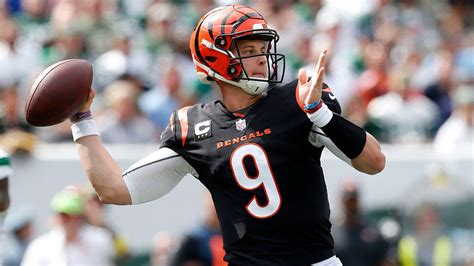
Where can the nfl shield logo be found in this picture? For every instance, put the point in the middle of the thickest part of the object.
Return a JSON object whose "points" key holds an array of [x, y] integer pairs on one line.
{"points": [[240, 124]]}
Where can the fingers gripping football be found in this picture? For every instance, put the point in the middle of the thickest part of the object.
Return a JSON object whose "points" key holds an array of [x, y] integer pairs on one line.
{"points": [[87, 104]]}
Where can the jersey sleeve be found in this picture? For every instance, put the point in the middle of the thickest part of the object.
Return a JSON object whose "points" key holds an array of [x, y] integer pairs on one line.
{"points": [[175, 134], [168, 136]]}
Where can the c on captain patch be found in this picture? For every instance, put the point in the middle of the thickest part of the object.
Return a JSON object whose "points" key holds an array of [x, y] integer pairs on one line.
{"points": [[202, 130]]}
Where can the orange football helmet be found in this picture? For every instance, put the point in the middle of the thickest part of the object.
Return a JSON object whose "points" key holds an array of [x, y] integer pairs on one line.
{"points": [[214, 37]]}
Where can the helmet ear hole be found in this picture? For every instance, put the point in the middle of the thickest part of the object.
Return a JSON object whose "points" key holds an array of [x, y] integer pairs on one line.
{"points": [[220, 42], [233, 72]]}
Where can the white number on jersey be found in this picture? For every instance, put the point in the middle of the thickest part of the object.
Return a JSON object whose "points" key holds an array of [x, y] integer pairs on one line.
{"points": [[264, 179]]}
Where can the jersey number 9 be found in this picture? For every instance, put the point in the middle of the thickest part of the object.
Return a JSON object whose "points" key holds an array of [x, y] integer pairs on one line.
{"points": [[263, 178]]}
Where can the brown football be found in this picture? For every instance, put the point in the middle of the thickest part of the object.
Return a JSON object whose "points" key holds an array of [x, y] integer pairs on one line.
{"points": [[58, 92]]}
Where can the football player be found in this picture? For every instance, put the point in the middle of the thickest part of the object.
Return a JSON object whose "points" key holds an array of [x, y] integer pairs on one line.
{"points": [[257, 149]]}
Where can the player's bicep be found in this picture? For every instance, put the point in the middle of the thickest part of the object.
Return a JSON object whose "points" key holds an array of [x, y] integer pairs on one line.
{"points": [[318, 139], [156, 175]]}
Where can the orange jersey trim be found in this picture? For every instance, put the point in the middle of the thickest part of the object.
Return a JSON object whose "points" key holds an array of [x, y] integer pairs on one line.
{"points": [[172, 122], [239, 115], [183, 122]]}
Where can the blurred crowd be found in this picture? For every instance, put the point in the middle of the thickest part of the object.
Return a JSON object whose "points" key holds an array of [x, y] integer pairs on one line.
{"points": [[402, 69], [80, 233]]}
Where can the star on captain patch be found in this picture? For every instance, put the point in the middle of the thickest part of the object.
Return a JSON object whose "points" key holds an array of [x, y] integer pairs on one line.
{"points": [[240, 124]]}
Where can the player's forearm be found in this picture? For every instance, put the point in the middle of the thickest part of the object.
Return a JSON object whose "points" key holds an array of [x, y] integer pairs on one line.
{"points": [[103, 172], [360, 147], [371, 160]]}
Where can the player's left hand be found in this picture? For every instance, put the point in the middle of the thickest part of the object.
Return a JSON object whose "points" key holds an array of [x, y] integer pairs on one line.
{"points": [[311, 91]]}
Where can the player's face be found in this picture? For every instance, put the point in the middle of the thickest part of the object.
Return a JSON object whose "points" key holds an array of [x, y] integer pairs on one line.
{"points": [[256, 64]]}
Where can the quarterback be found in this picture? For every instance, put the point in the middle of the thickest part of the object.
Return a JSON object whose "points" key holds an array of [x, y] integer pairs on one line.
{"points": [[257, 149]]}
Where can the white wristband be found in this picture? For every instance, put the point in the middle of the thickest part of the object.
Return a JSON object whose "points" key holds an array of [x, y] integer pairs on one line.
{"points": [[84, 128], [321, 117]]}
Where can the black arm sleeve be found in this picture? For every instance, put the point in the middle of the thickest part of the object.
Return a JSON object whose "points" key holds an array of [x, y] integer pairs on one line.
{"points": [[349, 138]]}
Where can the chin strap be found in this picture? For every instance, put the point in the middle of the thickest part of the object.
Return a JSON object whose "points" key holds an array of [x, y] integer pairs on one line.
{"points": [[252, 87]]}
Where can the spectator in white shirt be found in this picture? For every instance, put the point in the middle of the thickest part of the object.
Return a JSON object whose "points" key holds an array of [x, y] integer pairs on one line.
{"points": [[71, 241], [458, 130]]}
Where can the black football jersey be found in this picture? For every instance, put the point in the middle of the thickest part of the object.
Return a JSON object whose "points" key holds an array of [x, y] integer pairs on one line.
{"points": [[264, 175]]}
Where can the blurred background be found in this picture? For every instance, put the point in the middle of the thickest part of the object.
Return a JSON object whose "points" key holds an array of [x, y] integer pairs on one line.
{"points": [[402, 69]]}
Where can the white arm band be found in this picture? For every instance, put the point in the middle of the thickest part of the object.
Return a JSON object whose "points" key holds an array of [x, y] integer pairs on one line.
{"points": [[319, 139], [84, 128], [156, 175], [321, 117]]}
